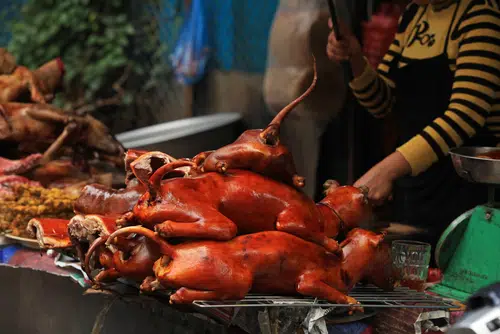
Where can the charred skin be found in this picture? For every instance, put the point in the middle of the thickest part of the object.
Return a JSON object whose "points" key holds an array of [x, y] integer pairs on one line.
{"points": [[259, 151], [265, 262]]}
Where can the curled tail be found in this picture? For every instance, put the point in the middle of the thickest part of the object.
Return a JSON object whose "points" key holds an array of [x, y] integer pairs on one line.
{"points": [[86, 265], [272, 130], [165, 247], [155, 179]]}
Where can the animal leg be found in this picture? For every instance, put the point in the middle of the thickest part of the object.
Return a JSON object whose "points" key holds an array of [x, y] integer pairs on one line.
{"points": [[48, 116], [57, 144], [187, 296], [107, 275], [150, 284], [289, 221], [216, 227], [310, 285]]}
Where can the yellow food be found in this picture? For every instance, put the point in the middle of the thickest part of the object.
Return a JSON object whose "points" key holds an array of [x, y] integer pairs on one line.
{"points": [[33, 202]]}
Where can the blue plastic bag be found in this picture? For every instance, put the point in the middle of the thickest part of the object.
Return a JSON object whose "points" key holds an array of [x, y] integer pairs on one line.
{"points": [[191, 53]]}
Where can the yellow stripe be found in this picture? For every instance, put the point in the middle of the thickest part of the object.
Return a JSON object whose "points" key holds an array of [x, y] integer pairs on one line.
{"points": [[449, 130], [474, 115], [383, 68], [466, 127], [473, 99], [369, 92], [437, 138], [479, 46], [475, 73], [474, 86]]}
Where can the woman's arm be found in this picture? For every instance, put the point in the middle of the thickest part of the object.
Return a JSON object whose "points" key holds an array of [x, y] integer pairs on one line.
{"points": [[475, 88]]}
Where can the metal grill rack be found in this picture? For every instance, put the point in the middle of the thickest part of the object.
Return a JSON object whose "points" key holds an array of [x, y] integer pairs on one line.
{"points": [[368, 296]]}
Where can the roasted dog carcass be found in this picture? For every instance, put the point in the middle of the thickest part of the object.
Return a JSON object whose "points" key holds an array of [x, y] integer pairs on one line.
{"points": [[218, 206], [38, 86], [265, 262], [40, 128], [258, 150], [132, 258]]}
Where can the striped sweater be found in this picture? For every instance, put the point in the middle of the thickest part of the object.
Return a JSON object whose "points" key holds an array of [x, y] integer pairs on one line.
{"points": [[474, 58]]}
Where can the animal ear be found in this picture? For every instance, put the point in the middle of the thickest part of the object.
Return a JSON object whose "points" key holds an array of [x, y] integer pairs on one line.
{"points": [[145, 165], [376, 240], [330, 185], [345, 242]]}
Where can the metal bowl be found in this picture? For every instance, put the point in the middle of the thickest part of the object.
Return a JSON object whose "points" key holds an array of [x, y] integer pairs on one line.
{"points": [[473, 169]]}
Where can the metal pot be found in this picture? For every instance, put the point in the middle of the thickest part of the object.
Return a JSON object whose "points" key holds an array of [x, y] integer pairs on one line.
{"points": [[474, 169], [186, 137]]}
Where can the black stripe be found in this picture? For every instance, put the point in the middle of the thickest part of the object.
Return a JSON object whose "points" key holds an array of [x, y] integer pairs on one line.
{"points": [[482, 11], [467, 119], [454, 125], [479, 67], [384, 98], [479, 53], [367, 88], [467, 10], [396, 42], [480, 39], [392, 53], [406, 59], [479, 25], [387, 63], [493, 123], [472, 106], [476, 80], [445, 135], [370, 97], [472, 92], [433, 144]]}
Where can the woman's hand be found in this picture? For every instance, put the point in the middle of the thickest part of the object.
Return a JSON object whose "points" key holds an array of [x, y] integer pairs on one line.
{"points": [[379, 179], [348, 48]]}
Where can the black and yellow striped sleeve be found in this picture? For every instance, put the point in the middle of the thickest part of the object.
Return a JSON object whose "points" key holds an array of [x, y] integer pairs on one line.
{"points": [[476, 83], [374, 88]]}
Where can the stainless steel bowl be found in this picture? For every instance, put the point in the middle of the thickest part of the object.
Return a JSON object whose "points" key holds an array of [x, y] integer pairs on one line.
{"points": [[473, 169]]}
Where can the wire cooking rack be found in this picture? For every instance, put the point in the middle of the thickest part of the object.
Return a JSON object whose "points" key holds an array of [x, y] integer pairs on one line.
{"points": [[368, 296]]}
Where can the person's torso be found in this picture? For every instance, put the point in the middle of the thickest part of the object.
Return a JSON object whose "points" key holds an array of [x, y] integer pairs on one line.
{"points": [[433, 33]]}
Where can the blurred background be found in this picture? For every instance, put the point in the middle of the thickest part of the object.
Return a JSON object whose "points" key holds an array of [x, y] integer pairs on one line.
{"points": [[134, 64]]}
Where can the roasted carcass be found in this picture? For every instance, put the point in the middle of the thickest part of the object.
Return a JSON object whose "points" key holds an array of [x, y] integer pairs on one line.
{"points": [[41, 128], [265, 262], [219, 206], [38, 86], [258, 150]]}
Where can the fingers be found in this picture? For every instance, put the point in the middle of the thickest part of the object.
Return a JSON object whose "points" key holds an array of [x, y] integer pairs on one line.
{"points": [[337, 50], [330, 23]]}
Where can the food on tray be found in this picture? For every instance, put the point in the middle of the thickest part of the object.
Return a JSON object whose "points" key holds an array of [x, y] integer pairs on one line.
{"points": [[490, 155], [225, 223], [27, 201]]}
